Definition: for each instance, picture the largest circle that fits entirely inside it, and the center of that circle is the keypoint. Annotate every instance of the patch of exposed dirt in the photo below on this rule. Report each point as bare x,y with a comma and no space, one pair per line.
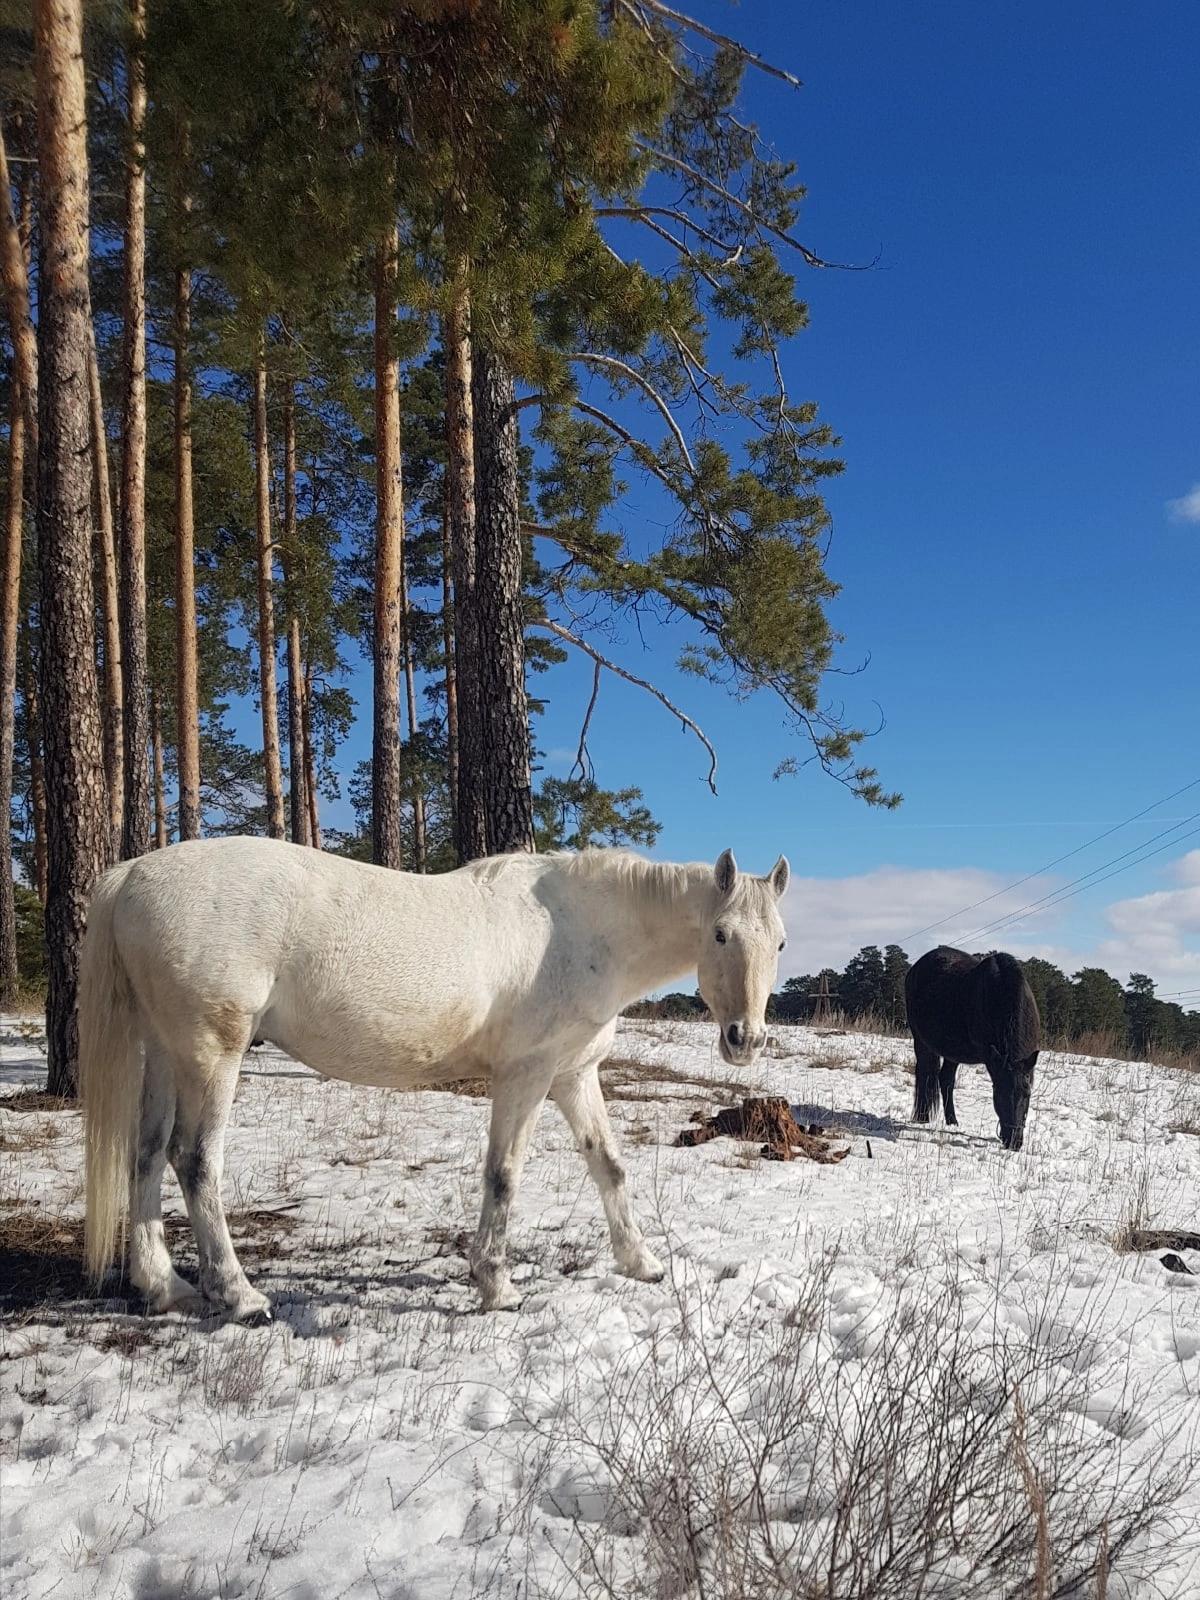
770,1123
41,1255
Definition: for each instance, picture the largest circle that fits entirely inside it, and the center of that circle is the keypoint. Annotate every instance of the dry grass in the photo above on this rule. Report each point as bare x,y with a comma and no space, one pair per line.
41,1255
928,1465
32,1099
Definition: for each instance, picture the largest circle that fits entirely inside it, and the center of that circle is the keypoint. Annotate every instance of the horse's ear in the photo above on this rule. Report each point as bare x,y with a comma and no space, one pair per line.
725,872
778,877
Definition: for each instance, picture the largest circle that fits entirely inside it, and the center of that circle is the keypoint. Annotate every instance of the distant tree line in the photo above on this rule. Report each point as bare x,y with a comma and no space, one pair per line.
871,987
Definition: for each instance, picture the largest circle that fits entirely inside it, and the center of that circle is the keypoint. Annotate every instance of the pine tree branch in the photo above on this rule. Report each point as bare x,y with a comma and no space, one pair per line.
748,210
713,37
644,213
647,388
557,629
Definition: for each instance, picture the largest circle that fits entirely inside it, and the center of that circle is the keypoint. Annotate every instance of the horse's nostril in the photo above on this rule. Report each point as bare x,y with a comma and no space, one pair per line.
735,1033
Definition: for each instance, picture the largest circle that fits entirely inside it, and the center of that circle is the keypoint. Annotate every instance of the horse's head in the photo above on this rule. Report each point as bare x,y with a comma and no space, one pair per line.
741,936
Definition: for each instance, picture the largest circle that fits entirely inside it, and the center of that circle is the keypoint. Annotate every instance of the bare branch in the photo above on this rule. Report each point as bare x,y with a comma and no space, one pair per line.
748,210
583,761
647,388
557,629
714,37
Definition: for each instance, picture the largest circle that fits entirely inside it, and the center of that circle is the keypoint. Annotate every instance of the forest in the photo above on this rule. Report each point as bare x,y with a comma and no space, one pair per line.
352,333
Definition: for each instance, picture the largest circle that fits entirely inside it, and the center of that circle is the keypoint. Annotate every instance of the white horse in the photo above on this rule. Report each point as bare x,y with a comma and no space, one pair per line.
515,967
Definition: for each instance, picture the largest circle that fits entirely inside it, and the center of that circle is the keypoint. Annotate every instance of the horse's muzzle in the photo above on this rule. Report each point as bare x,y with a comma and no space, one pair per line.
741,1044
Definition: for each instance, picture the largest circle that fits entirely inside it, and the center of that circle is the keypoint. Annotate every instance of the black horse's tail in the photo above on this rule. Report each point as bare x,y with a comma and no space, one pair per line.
1016,1026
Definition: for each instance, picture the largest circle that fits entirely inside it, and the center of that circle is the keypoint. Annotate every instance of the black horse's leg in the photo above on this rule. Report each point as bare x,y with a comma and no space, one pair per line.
925,1099
946,1079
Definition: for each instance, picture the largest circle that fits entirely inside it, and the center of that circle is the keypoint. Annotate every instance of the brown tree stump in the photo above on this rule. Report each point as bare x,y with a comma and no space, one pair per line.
768,1122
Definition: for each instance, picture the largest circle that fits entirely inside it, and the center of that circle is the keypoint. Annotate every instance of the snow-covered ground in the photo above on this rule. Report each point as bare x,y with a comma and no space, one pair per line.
925,1370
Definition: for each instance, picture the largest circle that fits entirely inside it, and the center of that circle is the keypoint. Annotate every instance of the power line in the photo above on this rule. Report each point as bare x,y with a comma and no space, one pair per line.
988,898
1047,901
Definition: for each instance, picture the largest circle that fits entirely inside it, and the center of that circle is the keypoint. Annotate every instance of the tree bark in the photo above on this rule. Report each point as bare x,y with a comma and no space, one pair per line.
296,774
266,612
499,613
420,850
37,766
471,803
161,837
186,646
10,616
135,824
77,812
310,766
448,650
114,699
387,848
22,430
16,295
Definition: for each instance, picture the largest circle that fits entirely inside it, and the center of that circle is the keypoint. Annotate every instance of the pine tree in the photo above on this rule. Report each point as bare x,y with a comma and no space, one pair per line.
74,756
135,821
389,555
187,713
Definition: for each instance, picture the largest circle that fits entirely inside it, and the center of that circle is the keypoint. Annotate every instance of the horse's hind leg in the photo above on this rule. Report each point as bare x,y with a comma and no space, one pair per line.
926,1097
150,1268
204,1090
516,1102
946,1079
579,1098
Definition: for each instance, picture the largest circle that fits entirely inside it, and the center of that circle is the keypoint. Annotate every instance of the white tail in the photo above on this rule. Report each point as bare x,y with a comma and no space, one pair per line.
110,1074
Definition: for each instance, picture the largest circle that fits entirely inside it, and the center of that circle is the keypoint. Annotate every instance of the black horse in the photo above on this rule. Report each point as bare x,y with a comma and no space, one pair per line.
974,1009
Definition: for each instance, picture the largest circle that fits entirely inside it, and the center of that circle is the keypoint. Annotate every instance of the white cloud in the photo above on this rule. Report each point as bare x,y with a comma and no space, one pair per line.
1187,507
829,919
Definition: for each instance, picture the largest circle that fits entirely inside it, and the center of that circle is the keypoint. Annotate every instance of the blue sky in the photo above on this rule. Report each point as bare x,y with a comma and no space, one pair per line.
1015,386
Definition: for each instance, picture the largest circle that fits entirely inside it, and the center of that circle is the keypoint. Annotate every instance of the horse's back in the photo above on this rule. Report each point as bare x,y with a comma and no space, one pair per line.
969,1007
359,971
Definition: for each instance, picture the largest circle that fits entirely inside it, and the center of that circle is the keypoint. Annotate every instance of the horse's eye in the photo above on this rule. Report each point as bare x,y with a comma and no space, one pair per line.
720,936
782,942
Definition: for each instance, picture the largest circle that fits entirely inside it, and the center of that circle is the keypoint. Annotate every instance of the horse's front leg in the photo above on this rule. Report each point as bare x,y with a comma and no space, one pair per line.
517,1098
577,1095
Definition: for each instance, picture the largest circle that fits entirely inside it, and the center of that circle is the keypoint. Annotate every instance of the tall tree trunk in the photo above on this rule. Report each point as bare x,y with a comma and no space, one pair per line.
310,766
114,704
471,803
74,745
420,849
37,766
268,695
448,652
499,619
296,773
23,426
387,847
10,616
16,295
160,784
135,824
186,648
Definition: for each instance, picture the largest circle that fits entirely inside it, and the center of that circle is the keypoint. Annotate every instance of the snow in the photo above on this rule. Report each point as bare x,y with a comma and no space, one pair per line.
936,1312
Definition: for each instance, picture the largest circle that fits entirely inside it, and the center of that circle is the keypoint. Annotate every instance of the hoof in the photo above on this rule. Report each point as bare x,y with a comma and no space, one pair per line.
258,1318
176,1295
505,1298
645,1267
